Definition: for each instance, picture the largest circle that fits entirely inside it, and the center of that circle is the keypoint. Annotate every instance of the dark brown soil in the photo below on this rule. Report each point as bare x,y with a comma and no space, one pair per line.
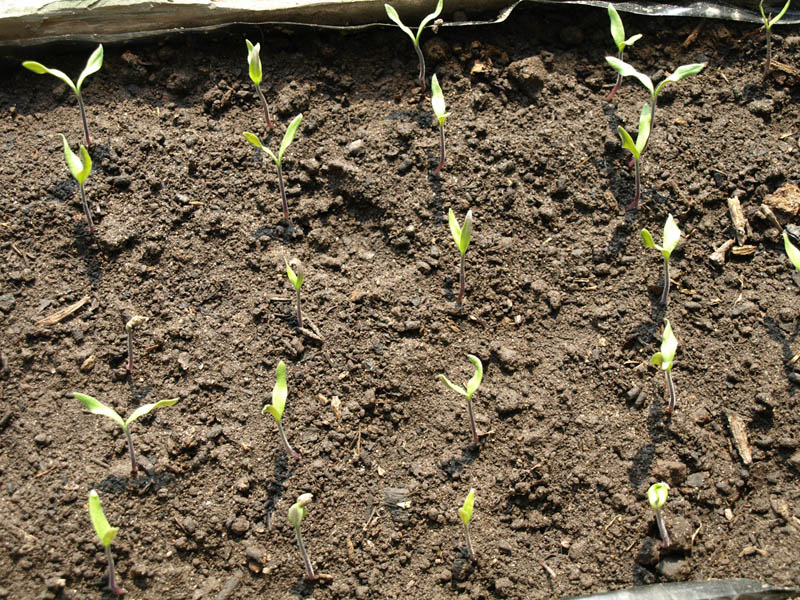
561,306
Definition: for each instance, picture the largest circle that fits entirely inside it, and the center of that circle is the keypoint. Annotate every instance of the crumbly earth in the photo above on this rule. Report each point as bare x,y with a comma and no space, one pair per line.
561,307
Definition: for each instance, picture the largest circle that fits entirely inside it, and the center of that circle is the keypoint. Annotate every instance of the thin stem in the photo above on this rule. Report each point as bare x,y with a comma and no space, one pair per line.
134,466
662,529
769,52
421,66
283,194
472,426
86,212
285,443
619,81
665,293
299,313
441,149
470,551
129,366
671,390
306,561
85,123
653,101
266,107
112,579
637,166
462,283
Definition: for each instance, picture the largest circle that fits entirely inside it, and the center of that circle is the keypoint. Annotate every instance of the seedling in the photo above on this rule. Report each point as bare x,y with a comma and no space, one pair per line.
618,35
465,513
461,236
768,23
80,167
392,14
106,533
296,515
93,65
680,73
98,408
636,148
254,61
665,359
437,100
296,277
288,137
671,237
472,387
791,251
279,393
132,323
657,497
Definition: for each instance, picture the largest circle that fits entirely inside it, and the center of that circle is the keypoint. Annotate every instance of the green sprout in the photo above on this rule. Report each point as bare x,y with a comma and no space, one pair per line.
791,251
106,533
288,137
461,236
636,148
279,393
666,359
472,387
671,237
768,23
437,100
297,513
657,496
80,167
465,513
254,62
132,323
296,277
392,14
93,65
618,35
98,408
680,73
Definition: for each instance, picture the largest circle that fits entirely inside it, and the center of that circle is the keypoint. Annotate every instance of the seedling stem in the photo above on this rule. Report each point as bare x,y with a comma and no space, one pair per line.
437,101
296,515
465,514
469,391
462,287
276,408
657,496
768,23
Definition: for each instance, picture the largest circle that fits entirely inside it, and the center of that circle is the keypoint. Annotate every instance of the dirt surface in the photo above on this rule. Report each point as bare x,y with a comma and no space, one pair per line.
561,307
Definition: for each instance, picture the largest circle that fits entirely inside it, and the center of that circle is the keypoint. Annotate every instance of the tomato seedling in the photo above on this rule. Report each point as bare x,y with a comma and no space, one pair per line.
636,148
462,237
465,514
665,359
437,101
657,496
791,251
672,236
472,387
106,533
79,167
93,65
254,64
279,394
296,274
297,513
392,14
618,35
288,137
98,408
768,23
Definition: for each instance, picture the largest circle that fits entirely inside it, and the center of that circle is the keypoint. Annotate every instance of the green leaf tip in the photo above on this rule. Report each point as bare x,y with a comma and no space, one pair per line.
461,235
791,251
465,512
295,272
79,165
93,65
254,61
98,408
279,394
437,101
288,137
297,512
669,345
104,531
657,495
146,408
472,384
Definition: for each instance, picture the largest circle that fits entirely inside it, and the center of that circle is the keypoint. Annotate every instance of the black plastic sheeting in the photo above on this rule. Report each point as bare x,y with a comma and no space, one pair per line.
722,589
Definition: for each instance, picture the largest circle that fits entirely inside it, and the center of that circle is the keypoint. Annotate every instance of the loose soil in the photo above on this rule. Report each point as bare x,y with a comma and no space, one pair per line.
561,307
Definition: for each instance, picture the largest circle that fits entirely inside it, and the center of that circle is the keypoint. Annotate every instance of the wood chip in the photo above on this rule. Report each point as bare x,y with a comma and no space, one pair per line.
718,256
770,216
786,199
750,550
88,364
745,250
739,433
740,225
788,69
61,314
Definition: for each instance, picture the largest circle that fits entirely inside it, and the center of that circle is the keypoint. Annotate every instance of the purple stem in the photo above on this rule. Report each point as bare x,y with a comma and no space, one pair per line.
112,579
462,283
662,529
441,150
306,561
299,313
637,176
283,195
85,123
619,81
134,467
472,426
266,108
671,390
421,66
86,212
665,293
470,551
769,53
285,443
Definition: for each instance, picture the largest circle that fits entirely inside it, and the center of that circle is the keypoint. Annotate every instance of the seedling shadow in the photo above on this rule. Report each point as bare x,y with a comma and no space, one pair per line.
453,466
280,473
85,246
303,588
785,340
641,463
462,567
